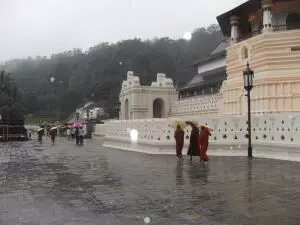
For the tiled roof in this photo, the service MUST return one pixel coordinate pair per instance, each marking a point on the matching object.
(207, 77)
(219, 51)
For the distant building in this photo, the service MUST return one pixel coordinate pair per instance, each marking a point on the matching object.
(264, 33)
(211, 74)
(140, 102)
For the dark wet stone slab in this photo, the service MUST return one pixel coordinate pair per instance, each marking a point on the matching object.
(67, 184)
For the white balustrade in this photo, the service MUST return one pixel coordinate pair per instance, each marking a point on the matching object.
(208, 104)
(266, 130)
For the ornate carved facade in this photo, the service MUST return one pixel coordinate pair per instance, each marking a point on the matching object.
(266, 34)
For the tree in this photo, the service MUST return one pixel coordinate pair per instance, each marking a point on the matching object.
(11, 108)
(101, 69)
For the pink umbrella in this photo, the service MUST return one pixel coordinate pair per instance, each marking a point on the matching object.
(77, 125)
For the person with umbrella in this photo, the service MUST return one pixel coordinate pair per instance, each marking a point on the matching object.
(203, 142)
(194, 140)
(69, 133)
(81, 134)
(53, 131)
(179, 136)
(40, 134)
(77, 135)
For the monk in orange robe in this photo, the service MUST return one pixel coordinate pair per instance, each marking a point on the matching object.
(179, 138)
(203, 141)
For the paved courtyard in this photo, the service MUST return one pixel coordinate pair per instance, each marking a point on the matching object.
(70, 185)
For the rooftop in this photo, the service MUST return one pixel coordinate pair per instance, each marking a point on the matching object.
(218, 52)
(242, 11)
(208, 77)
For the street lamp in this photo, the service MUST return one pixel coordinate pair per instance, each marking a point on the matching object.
(248, 85)
(117, 107)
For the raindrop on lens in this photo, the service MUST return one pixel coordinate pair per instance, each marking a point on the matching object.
(147, 220)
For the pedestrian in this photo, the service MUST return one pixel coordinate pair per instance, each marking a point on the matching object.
(179, 138)
(203, 143)
(77, 135)
(73, 133)
(52, 136)
(29, 134)
(40, 135)
(69, 134)
(194, 142)
(81, 133)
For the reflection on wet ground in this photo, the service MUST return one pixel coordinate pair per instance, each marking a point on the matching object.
(67, 184)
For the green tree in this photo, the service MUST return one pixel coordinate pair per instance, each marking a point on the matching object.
(11, 108)
(97, 73)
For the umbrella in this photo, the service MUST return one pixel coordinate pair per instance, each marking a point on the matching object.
(209, 128)
(77, 125)
(40, 129)
(175, 123)
(192, 123)
(53, 128)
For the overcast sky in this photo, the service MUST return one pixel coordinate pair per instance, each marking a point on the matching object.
(43, 27)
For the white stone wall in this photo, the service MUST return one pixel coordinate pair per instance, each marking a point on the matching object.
(200, 105)
(266, 130)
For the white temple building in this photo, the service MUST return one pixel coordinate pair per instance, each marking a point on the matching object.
(263, 33)
(142, 102)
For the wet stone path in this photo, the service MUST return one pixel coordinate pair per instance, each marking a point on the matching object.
(70, 185)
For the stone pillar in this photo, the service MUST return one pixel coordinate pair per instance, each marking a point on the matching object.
(267, 15)
(234, 22)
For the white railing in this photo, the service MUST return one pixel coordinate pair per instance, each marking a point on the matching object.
(266, 130)
(208, 104)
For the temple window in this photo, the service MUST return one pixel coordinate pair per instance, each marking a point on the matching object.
(293, 21)
(245, 53)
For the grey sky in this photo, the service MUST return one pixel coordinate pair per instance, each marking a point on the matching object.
(43, 27)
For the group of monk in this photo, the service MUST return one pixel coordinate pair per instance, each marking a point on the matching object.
(198, 142)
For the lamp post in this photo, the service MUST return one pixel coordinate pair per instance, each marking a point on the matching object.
(248, 85)
(117, 108)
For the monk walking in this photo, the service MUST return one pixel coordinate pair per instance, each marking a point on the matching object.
(194, 142)
(203, 141)
(179, 138)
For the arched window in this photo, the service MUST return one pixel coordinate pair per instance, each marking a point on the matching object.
(293, 21)
(245, 53)
(158, 108)
(126, 109)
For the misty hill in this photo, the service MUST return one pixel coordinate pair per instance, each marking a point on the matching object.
(97, 73)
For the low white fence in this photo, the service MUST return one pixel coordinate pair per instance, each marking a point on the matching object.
(276, 131)
(279, 129)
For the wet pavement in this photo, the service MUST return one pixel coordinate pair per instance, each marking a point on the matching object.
(70, 185)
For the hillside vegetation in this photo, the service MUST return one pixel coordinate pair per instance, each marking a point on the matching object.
(97, 73)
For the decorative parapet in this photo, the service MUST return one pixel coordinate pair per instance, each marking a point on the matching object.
(131, 81)
(162, 81)
(266, 130)
(203, 105)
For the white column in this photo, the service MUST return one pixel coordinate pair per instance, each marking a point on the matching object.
(267, 15)
(234, 22)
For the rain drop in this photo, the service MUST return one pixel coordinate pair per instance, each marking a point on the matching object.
(147, 220)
